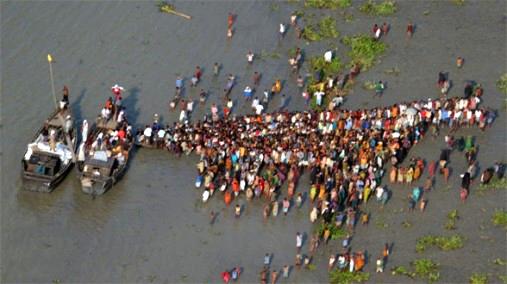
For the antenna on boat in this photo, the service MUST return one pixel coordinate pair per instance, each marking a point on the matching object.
(67, 136)
(50, 61)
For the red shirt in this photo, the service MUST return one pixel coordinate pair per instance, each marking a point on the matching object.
(121, 134)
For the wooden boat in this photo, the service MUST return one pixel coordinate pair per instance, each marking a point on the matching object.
(155, 142)
(44, 168)
(104, 164)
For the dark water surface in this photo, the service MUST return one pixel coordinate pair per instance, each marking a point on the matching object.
(151, 227)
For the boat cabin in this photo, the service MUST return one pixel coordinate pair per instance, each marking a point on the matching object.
(43, 164)
(99, 165)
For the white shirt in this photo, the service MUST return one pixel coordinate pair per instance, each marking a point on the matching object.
(255, 102)
(318, 95)
(190, 106)
(84, 132)
(105, 113)
(147, 132)
(266, 95)
(328, 56)
(258, 109)
(299, 241)
(250, 57)
(330, 83)
(161, 133)
(183, 115)
(120, 116)
(282, 28)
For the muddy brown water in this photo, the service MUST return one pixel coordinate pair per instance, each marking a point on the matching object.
(152, 227)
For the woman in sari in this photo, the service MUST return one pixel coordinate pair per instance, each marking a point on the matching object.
(409, 175)
(392, 174)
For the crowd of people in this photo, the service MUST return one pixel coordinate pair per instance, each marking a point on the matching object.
(344, 151)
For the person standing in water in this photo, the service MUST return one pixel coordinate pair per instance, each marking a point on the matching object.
(216, 69)
(410, 29)
(65, 98)
(299, 241)
(282, 30)
(237, 211)
(250, 57)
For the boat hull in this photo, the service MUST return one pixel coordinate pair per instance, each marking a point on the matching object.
(99, 185)
(39, 184)
(44, 183)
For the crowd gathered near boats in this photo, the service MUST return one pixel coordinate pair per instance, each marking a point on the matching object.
(346, 153)
(256, 154)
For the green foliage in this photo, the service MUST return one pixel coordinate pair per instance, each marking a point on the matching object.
(478, 278)
(385, 8)
(328, 68)
(458, 2)
(265, 55)
(364, 50)
(494, 184)
(503, 278)
(501, 84)
(423, 268)
(348, 17)
(336, 233)
(452, 217)
(311, 267)
(291, 52)
(450, 225)
(500, 218)
(165, 7)
(274, 6)
(426, 269)
(402, 270)
(369, 85)
(328, 4)
(327, 27)
(310, 33)
(337, 276)
(500, 261)
(324, 29)
(299, 13)
(442, 242)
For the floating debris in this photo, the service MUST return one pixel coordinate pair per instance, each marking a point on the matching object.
(165, 7)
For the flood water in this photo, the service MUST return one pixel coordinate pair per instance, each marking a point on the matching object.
(152, 227)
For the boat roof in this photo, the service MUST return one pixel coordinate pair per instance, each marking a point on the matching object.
(91, 161)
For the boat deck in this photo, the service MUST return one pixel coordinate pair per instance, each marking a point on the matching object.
(56, 121)
(110, 124)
